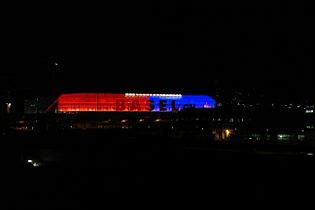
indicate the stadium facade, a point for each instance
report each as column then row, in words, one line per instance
column 144, row 112
column 129, row 102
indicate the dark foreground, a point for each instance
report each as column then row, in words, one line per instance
column 79, row 167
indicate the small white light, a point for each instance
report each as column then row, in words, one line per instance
column 30, row 161
column 35, row 165
column 309, row 154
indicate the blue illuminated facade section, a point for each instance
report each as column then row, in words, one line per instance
column 177, row 103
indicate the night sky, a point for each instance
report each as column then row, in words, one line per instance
column 183, row 46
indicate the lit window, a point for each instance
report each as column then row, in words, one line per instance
column 227, row 132
column 35, row 165
column 301, row 137
column 284, row 137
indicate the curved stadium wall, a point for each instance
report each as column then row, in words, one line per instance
column 131, row 102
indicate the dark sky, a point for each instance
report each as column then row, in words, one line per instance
column 177, row 46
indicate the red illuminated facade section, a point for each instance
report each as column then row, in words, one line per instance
column 100, row 102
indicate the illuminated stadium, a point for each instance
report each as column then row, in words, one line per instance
column 129, row 102
column 137, row 112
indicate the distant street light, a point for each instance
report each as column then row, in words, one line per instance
column 7, row 101
column 54, row 72
column 8, row 107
